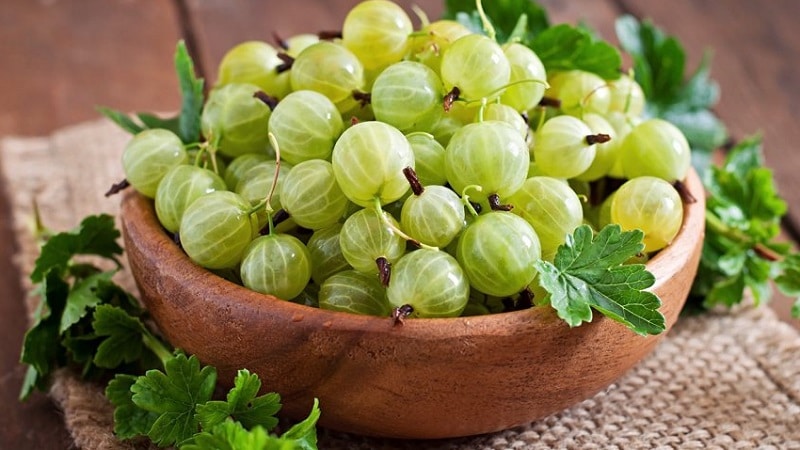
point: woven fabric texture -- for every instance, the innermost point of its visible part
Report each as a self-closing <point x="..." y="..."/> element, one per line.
<point x="717" y="381"/>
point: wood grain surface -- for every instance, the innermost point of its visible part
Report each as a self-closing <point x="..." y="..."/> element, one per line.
<point x="63" y="58"/>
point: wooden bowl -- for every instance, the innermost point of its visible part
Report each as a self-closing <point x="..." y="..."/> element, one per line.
<point x="429" y="378"/>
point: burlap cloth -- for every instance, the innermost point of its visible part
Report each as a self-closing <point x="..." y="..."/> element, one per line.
<point x="717" y="381"/>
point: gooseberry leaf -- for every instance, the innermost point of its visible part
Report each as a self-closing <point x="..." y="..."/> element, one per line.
<point x="567" y="47"/>
<point x="96" y="235"/>
<point x="41" y="349"/>
<point x="505" y="16"/>
<point x="243" y="405"/>
<point x="123" y="336"/>
<point x="174" y="395"/>
<point x="192" y="95"/>
<point x="304" y="434"/>
<point x="129" y="420"/>
<point x="588" y="273"/>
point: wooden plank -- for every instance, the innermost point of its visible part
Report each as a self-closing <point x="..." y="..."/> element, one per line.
<point x="755" y="47"/>
<point x="60" y="60"/>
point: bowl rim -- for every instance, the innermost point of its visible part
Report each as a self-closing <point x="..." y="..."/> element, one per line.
<point x="663" y="265"/>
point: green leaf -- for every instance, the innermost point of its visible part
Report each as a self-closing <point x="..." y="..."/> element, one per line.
<point x="123" y="120"/>
<point x="232" y="436"/>
<point x="305" y="433"/>
<point x="743" y="213"/>
<point x="96" y="235"/>
<point x="505" y="16"/>
<point x="729" y="291"/>
<point x="129" y="420"/>
<point x="192" y="94"/>
<point x="589" y="273"/>
<point x="152" y="121"/>
<point x="243" y="405"/>
<point x="743" y="193"/>
<point x="659" y="60"/>
<point x="174" y="395"/>
<point x="123" y="335"/>
<point x="789" y="280"/>
<point x="83" y="297"/>
<point x="564" y="47"/>
<point x="41" y="349"/>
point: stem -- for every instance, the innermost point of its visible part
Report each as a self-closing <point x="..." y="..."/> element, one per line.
<point x="288" y="61"/>
<point x="599" y="138"/>
<point x="484" y="102"/>
<point x="363" y="98"/>
<point x="423" y="18"/>
<point x="401" y="313"/>
<point x="413" y="181"/>
<point x="384" y="270"/>
<point x="450" y="98"/>
<point x="282" y="43"/>
<point x="269" y="100"/>
<point x="487" y="26"/>
<point x="494" y="203"/>
<point x="157" y="347"/>
<point x="465" y="198"/>
<point x="117" y="187"/>
<point x="550" y="102"/>
<point x="329" y="35"/>
<point x="715" y="224"/>
<point x="683" y="191"/>
<point x="394" y="228"/>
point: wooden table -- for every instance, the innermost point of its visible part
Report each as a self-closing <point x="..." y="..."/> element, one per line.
<point x="63" y="58"/>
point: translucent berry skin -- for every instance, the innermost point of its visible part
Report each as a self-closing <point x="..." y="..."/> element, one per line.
<point x="326" y="253"/>
<point x="429" y="46"/>
<point x="490" y="154"/>
<point x="254" y="62"/>
<point x="235" y="121"/>
<point x="255" y="184"/>
<point x="551" y="207"/>
<point x="408" y="95"/>
<point x="377" y="32"/>
<point x="330" y="69"/>
<point x="497" y="252"/>
<point x="276" y="264"/>
<point x="365" y="238"/>
<point x="368" y="160"/>
<point x="580" y="92"/>
<point x="507" y="114"/>
<point x="656" y="148"/>
<point x="241" y="164"/>
<point x="525" y="66"/>
<point x="306" y="124"/>
<point x="561" y="149"/>
<point x="431" y="281"/>
<point x="477" y="66"/>
<point x="148" y="156"/>
<point x="651" y="205"/>
<point x="354" y="292"/>
<point x="179" y="188"/>
<point x="434" y="217"/>
<point x="311" y="195"/>
<point x="627" y="96"/>
<point x="428" y="159"/>
<point x="605" y="153"/>
<point x="216" y="228"/>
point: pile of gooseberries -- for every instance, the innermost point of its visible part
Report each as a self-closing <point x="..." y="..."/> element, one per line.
<point x="406" y="172"/>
